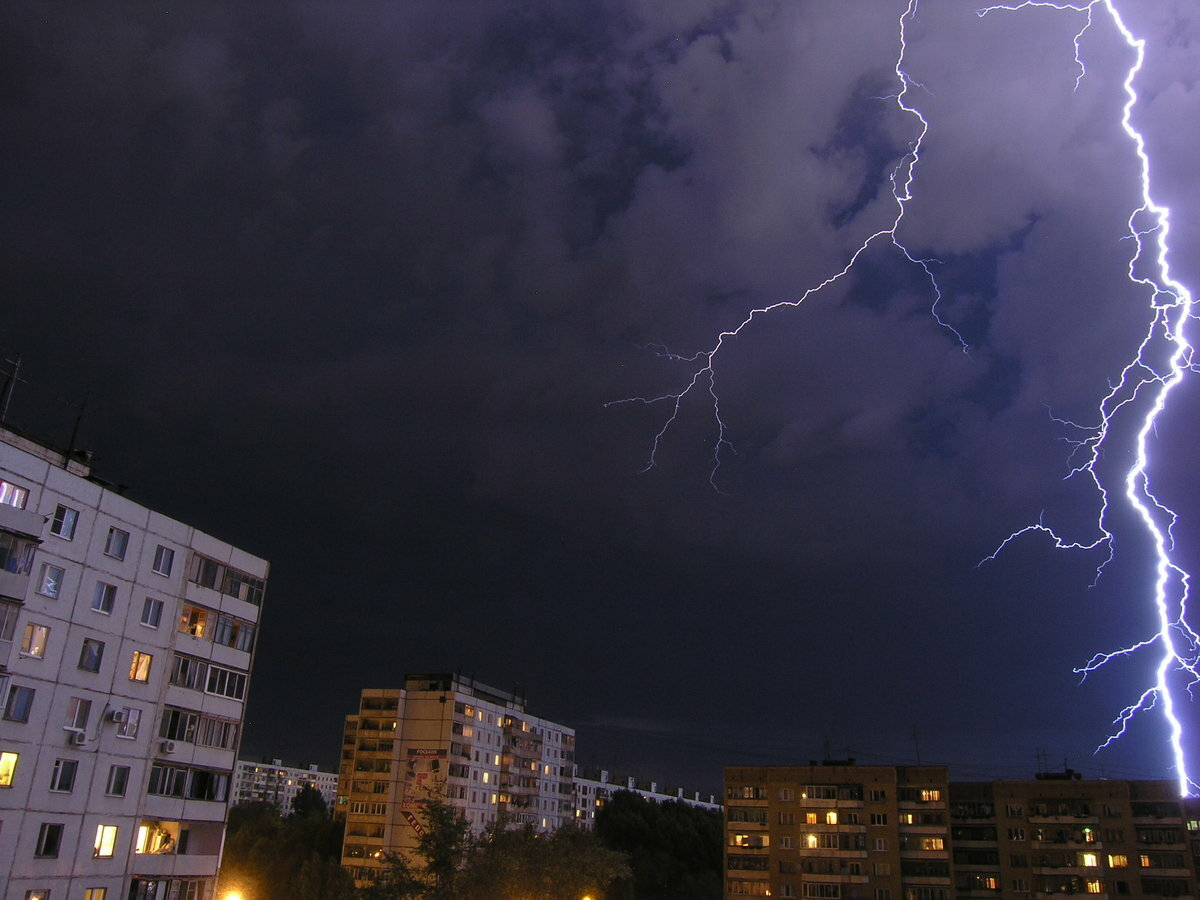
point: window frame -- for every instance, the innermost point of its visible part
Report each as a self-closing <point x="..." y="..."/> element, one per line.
<point x="49" y="840"/>
<point x="64" y="522"/>
<point x="155" y="604"/>
<point x="137" y="668"/>
<point x="45" y="583"/>
<point x="14" y="691"/>
<point x="113" y="782"/>
<point x="91" y="655"/>
<point x="164" y="560"/>
<point x="63" y="774"/>
<point x="116" y="545"/>
<point x="104" y="598"/>
<point x="31" y="648"/>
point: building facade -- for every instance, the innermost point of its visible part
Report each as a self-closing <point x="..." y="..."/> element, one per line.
<point x="593" y="788"/>
<point x="844" y="832"/>
<point x="270" y="781"/>
<point x="126" y="643"/>
<point x="448" y="735"/>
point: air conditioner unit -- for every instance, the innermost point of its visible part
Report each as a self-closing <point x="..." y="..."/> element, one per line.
<point x="167" y="746"/>
<point x="120" y="716"/>
<point x="77" y="739"/>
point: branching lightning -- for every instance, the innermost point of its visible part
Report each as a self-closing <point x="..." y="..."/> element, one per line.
<point x="902" y="177"/>
<point x="1163" y="357"/>
<point x="1132" y="405"/>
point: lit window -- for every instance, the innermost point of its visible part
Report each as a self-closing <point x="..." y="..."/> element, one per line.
<point x="33" y="641"/>
<point x="12" y="495"/>
<point x="106" y="841"/>
<point x="37" y="895"/>
<point x="831" y="817"/>
<point x="139" y="669"/>
<point x="95" y="893"/>
<point x="8" y="767"/>
<point x="62" y="776"/>
<point x="932" y="843"/>
<point x="1090" y="860"/>
<point x="152" y="612"/>
<point x="103" y="597"/>
<point x="164" y="560"/>
<point x="193" y="620"/>
<point x="116" y="543"/>
<point x="65" y="520"/>
<point x="91" y="654"/>
<point x="810" y="818"/>
<point x="50" y="581"/>
<point x="49" y="839"/>
<point x="1094" y="886"/>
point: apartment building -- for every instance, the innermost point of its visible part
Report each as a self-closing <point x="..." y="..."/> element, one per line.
<point x="270" y="781"/>
<point x="449" y="735"/>
<point x="126" y="643"/>
<point x="593" y="788"/>
<point x="846" y="832"/>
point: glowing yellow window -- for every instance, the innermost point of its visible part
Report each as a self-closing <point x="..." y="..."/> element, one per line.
<point x="139" y="669"/>
<point x="1091" y="860"/>
<point x="106" y="841"/>
<point x="1117" y="860"/>
<point x="831" y="817"/>
<point x="8" y="768"/>
<point x="810" y="841"/>
<point x="810" y="818"/>
<point x="1094" y="886"/>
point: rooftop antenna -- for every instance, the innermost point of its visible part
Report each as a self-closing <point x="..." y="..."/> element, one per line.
<point x="75" y="429"/>
<point x="10" y="381"/>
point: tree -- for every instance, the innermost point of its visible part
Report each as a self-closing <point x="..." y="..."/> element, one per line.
<point x="269" y="857"/>
<point x="308" y="802"/>
<point x="521" y="864"/>
<point x="674" y="849"/>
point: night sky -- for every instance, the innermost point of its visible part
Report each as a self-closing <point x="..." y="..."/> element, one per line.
<point x="350" y="285"/>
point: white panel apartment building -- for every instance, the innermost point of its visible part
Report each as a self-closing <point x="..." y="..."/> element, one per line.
<point x="270" y="781"/>
<point x="126" y="641"/>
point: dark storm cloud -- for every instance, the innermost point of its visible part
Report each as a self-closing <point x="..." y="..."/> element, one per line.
<point x="369" y="273"/>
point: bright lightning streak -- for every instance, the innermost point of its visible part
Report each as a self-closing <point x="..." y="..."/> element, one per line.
<point x="1162" y="359"/>
<point x="704" y="378"/>
<point x="1141" y="391"/>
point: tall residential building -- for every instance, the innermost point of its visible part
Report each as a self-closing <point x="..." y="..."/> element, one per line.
<point x="844" y="832"/>
<point x="126" y="642"/>
<point x="270" y="781"/>
<point x="476" y="746"/>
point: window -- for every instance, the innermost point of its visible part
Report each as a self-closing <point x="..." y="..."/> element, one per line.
<point x="226" y="683"/>
<point x="78" y="711"/>
<point x="139" y="668"/>
<point x="878" y="818"/>
<point x="879" y="844"/>
<point x="8" y="768"/>
<point x="1016" y="834"/>
<point x="37" y="895"/>
<point x="95" y="893"/>
<point x="786" y="794"/>
<point x="49" y="839"/>
<point x="164" y="560"/>
<point x="91" y="654"/>
<point x="62" y="776"/>
<point x="787" y="818"/>
<point x="33" y="641"/>
<point x="64" y="522"/>
<point x="831" y="818"/>
<point x="118" y="780"/>
<point x="16" y="553"/>
<point x="194" y="620"/>
<point x="116" y="543"/>
<point x="20" y="699"/>
<point x="1117" y="860"/>
<point x="178" y="725"/>
<point x="128" y="728"/>
<point x="930" y="795"/>
<point x="234" y="632"/>
<point x="1020" y="885"/>
<point x="106" y="841"/>
<point x="12" y="495"/>
<point x="1014" y="810"/>
<point x="103" y="597"/>
<point x="882" y="869"/>
<point x="188" y="672"/>
<point x="245" y="587"/>
<point x="932" y="843"/>
<point x="206" y="572"/>
<point x="152" y="612"/>
<point x="8" y="620"/>
<point x="877" y="795"/>
<point x="50" y="581"/>
<point x="787" y="842"/>
<point x="167" y="781"/>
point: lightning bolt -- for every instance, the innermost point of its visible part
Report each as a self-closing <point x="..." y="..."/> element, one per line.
<point x="1162" y="359"/>
<point x="1137" y="396"/>
<point x="703" y="378"/>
